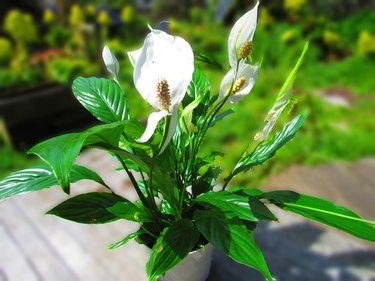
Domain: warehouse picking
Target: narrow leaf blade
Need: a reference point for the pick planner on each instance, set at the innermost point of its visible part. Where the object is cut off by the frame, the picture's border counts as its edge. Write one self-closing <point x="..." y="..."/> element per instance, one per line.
<point x="323" y="211"/>
<point x="123" y="241"/>
<point x="264" y="152"/>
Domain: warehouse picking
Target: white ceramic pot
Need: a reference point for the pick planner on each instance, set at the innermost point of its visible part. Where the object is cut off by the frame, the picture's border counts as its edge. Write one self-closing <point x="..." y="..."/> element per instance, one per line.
<point x="194" y="267"/>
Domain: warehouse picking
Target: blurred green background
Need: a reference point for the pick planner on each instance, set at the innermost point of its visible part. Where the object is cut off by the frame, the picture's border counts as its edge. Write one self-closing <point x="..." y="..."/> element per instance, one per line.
<point x="48" y="43"/>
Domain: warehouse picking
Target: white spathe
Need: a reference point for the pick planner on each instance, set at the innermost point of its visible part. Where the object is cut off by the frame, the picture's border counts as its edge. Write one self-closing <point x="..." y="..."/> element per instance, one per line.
<point x="162" y="57"/>
<point x="110" y="62"/>
<point x="242" y="31"/>
<point x="245" y="71"/>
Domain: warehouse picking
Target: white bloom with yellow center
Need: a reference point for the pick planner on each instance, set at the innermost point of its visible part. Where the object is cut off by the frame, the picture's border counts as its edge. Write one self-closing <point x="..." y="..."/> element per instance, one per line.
<point x="241" y="36"/>
<point x="243" y="81"/>
<point x="163" y="69"/>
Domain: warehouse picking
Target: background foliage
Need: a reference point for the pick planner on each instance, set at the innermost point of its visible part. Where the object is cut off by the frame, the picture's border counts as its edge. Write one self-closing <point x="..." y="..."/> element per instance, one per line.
<point x="65" y="41"/>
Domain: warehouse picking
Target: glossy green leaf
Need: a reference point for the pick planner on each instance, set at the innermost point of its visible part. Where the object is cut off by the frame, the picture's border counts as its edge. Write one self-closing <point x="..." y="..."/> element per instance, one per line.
<point x="199" y="86"/>
<point x="81" y="173"/>
<point x="134" y="129"/>
<point x="206" y="181"/>
<point x="88" y="208"/>
<point x="125" y="240"/>
<point x="102" y="97"/>
<point x="264" y="152"/>
<point x="231" y="236"/>
<point x="61" y="152"/>
<point x="171" y="247"/>
<point x="38" y="178"/>
<point x="25" y="181"/>
<point x="131" y="212"/>
<point x="323" y="211"/>
<point x="197" y="97"/>
<point x="245" y="207"/>
<point x="228" y="202"/>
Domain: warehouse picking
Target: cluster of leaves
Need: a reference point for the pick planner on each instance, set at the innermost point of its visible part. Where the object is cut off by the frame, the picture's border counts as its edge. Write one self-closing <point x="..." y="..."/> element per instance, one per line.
<point x="190" y="213"/>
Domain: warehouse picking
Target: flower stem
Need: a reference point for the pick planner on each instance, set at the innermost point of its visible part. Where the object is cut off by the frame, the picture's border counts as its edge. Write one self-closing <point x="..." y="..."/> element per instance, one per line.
<point x="134" y="182"/>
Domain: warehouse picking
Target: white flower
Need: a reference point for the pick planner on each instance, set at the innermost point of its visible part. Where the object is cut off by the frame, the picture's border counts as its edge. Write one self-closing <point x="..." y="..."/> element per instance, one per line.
<point x="110" y="62"/>
<point x="163" y="69"/>
<point x="241" y="36"/>
<point x="243" y="81"/>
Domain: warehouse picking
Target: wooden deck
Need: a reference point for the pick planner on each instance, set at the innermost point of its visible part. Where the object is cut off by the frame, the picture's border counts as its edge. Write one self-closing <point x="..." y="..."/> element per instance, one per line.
<point x="39" y="247"/>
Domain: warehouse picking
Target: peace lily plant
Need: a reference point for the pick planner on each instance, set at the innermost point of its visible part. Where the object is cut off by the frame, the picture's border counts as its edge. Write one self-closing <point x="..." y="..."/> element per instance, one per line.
<point x="178" y="210"/>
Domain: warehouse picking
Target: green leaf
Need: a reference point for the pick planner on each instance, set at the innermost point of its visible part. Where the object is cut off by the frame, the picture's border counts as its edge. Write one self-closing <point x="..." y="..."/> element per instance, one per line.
<point x="264" y="152"/>
<point x="27" y="180"/>
<point x="206" y="181"/>
<point x="89" y="208"/>
<point x="197" y="97"/>
<point x="131" y="212"/>
<point x="221" y="116"/>
<point x="125" y="240"/>
<point x="38" y="178"/>
<point x="241" y="206"/>
<point x="231" y="236"/>
<point x="171" y="247"/>
<point x="211" y="157"/>
<point x="260" y="210"/>
<point x="283" y="99"/>
<point x="134" y="129"/>
<point x="82" y="173"/>
<point x="323" y="211"/>
<point x="102" y="97"/>
<point x="208" y="60"/>
<point x="199" y="86"/>
<point x="61" y="152"/>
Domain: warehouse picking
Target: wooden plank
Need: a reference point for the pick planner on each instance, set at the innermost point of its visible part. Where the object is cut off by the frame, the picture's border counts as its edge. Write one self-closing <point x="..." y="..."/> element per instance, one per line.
<point x="76" y="257"/>
<point x="89" y="241"/>
<point x="365" y="170"/>
<point x="13" y="264"/>
<point x="35" y="248"/>
<point x="332" y="182"/>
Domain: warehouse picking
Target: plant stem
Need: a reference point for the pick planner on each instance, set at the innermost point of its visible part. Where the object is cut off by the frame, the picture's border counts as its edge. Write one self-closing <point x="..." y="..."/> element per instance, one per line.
<point x="134" y="182"/>
<point x="150" y="191"/>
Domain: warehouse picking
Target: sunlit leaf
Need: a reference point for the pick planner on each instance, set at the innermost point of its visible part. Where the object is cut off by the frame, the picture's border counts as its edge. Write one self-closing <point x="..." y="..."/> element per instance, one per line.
<point x="323" y="211"/>
<point x="38" y="178"/>
<point x="102" y="97"/>
<point x="123" y="241"/>
<point x="283" y="99"/>
<point x="61" y="152"/>
<point x="265" y="151"/>
<point x="245" y="207"/>
<point x="130" y="211"/>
